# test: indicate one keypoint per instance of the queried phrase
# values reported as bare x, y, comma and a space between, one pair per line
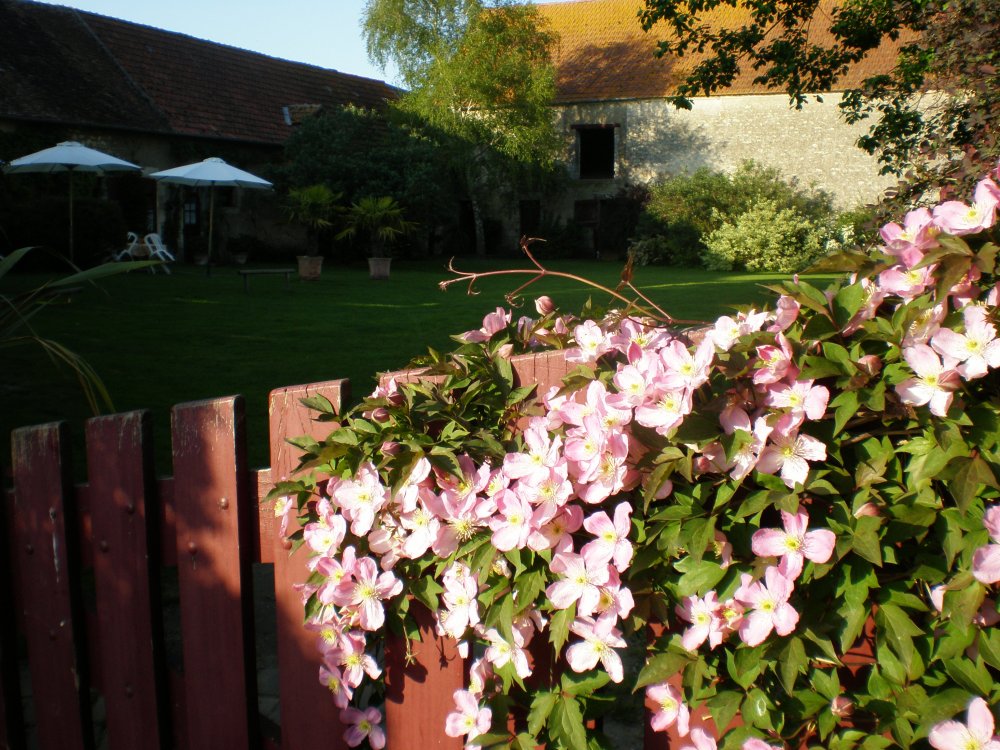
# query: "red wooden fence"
80, 578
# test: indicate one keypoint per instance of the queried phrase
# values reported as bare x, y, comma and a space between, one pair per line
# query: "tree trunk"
477, 220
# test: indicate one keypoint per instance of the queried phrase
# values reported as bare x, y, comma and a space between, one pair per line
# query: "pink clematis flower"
768, 602
352, 660
774, 363
957, 218
755, 744
493, 323
802, 399
986, 560
703, 614
461, 608
907, 284
612, 542
794, 545
513, 523
591, 343
330, 677
702, 740
361, 498
975, 734
469, 719
670, 708
789, 454
362, 725
978, 349
501, 652
582, 575
911, 241
935, 382
600, 639
365, 591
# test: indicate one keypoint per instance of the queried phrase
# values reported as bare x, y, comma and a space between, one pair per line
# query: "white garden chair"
157, 250
131, 251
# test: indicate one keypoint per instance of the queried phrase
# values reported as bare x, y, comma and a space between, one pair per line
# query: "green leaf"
865, 539
662, 667
527, 588
989, 646
723, 707
973, 677
745, 665
792, 662
559, 626
898, 630
584, 684
318, 403
426, 589
816, 368
700, 579
756, 709
566, 724
846, 409
541, 708
972, 473
847, 302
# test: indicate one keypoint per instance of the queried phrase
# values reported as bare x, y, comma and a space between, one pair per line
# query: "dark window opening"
191, 213
597, 153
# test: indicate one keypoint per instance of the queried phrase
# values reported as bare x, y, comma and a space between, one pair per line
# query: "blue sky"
319, 32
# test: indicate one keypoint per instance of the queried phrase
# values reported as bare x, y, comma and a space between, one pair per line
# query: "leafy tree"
357, 152
936, 109
481, 79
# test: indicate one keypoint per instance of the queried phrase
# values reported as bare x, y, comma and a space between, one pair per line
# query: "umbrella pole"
211, 226
71, 216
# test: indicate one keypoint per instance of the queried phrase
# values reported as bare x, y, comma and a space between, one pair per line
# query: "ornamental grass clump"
803, 497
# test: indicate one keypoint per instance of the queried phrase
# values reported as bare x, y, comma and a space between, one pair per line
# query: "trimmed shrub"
684, 210
766, 238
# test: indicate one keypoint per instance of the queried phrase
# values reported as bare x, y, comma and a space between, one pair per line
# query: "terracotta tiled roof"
177, 83
53, 68
604, 54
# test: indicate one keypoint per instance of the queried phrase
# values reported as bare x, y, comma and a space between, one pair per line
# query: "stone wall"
813, 145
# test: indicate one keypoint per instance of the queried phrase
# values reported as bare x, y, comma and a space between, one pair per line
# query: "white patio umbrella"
212, 172
70, 156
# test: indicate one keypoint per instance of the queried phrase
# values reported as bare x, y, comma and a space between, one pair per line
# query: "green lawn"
160, 340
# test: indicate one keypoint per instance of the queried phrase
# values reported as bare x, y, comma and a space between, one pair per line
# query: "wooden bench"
248, 272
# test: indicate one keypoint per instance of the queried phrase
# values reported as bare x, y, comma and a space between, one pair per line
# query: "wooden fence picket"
11, 727
45, 545
308, 718
123, 517
213, 513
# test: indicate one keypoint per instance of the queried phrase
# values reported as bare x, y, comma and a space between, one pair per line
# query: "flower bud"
842, 707
544, 305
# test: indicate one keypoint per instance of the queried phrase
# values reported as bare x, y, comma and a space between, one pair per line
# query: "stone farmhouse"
159, 99
610, 104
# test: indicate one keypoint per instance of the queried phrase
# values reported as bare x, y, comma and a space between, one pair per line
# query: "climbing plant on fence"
804, 497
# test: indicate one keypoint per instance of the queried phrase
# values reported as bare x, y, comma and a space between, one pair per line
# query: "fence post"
47, 566
123, 513
308, 717
11, 715
214, 570
419, 692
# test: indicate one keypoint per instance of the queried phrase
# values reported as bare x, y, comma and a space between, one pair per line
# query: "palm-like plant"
314, 207
18, 308
380, 218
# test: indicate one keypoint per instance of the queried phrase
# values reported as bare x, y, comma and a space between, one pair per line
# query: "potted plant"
313, 206
381, 219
